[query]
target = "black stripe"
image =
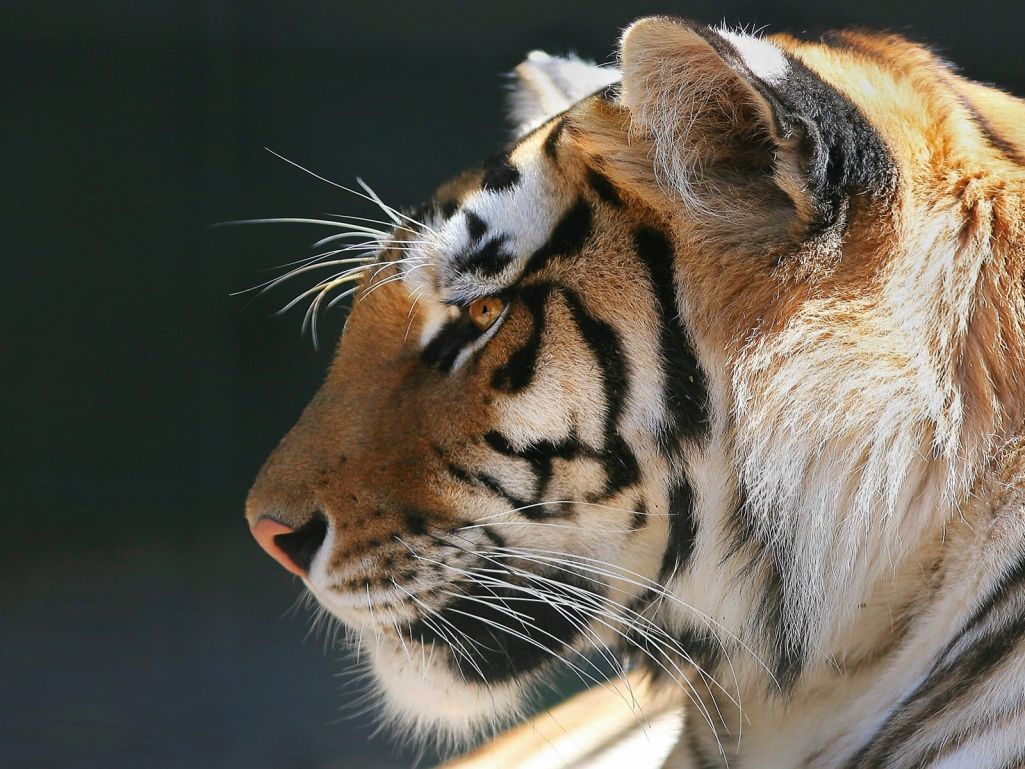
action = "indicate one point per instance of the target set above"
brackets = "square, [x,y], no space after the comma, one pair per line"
[487,259]
[605,189]
[953,682]
[621,466]
[495,487]
[540,455]
[518,372]
[683,530]
[416,521]
[767,566]
[499,174]
[685,388]
[496,539]
[475,227]
[1009,149]
[703,648]
[448,208]
[480,617]
[640,516]
[478,480]
[551,145]
[441,352]
[567,238]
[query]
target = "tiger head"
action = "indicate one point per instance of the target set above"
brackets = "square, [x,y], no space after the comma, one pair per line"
[658,382]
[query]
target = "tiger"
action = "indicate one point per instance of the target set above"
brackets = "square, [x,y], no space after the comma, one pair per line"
[715,373]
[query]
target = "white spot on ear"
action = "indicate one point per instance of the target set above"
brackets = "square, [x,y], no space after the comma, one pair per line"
[765,60]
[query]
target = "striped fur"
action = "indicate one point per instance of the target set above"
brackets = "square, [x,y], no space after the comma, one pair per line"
[752,417]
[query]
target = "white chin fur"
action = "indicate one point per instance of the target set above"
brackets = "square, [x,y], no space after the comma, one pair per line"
[432,700]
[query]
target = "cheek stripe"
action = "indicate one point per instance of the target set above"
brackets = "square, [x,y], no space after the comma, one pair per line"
[518,372]
[685,389]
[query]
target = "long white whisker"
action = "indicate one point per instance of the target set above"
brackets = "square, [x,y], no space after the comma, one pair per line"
[388,209]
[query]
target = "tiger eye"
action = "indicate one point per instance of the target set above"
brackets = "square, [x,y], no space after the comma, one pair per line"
[485,311]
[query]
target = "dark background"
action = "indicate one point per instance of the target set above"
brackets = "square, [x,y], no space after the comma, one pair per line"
[139,624]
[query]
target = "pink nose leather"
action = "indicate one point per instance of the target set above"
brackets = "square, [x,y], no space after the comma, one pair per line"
[265,530]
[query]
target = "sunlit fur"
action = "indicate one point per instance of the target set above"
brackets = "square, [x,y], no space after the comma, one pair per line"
[752,417]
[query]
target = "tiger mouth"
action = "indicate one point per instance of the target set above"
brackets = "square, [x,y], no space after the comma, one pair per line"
[494,627]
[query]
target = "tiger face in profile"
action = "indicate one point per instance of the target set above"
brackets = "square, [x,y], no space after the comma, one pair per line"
[719,369]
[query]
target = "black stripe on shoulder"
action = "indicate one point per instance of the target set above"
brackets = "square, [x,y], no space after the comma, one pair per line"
[954,682]
[685,388]
[567,238]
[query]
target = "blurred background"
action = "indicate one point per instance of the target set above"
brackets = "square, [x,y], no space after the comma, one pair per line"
[140,626]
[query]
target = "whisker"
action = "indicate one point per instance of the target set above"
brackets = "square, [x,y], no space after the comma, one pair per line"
[391,212]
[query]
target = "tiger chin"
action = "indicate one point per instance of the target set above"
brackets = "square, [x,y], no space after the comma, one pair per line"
[717,370]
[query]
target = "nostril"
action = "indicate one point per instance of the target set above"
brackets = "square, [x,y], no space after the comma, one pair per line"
[302,544]
[292,548]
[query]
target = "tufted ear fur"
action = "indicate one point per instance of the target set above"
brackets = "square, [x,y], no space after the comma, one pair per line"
[547,85]
[729,116]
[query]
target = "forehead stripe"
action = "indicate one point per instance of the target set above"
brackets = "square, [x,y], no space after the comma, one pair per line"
[568,237]
[499,174]
[551,145]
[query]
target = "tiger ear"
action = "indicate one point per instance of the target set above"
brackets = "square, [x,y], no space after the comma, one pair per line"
[718,107]
[547,85]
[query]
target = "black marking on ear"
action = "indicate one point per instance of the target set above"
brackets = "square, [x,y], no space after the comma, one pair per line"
[517,372]
[683,531]
[475,227]
[685,388]
[551,145]
[499,174]
[844,153]
[567,238]
[605,189]
[956,680]
[497,646]
[619,460]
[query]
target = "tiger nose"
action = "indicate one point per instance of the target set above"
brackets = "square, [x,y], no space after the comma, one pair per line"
[292,548]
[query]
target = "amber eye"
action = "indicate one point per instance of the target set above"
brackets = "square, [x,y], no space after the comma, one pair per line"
[485,311]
